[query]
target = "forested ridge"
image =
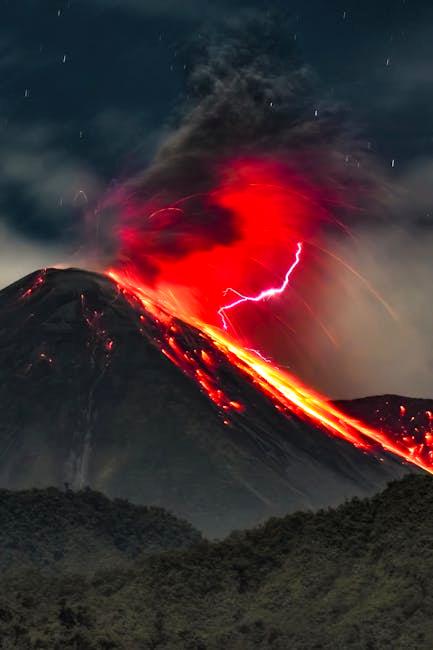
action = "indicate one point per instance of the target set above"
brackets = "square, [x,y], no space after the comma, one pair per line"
[54,530]
[359,576]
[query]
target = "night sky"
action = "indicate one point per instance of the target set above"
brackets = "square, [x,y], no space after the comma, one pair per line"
[89,88]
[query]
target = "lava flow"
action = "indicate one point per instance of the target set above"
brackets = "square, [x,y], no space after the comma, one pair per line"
[287,393]
[177,257]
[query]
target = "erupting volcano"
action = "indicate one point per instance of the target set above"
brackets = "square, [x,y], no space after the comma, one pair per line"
[187,372]
[91,394]
[177,260]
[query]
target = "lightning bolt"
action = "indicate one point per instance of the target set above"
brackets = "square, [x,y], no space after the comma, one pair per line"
[263,295]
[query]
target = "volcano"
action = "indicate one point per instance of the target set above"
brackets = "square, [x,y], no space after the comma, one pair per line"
[89,396]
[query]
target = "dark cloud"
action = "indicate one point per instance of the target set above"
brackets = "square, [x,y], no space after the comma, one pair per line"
[186,10]
[248,94]
[32,162]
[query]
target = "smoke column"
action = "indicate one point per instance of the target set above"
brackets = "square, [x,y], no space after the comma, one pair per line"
[255,165]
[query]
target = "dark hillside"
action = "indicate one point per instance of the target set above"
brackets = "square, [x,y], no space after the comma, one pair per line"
[82,531]
[359,576]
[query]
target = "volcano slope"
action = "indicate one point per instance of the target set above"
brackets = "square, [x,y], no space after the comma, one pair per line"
[88,399]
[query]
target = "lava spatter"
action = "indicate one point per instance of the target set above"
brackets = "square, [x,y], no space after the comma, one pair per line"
[36,284]
[100,336]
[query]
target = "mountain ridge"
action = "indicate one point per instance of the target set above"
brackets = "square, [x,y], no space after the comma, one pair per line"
[88,398]
[82,532]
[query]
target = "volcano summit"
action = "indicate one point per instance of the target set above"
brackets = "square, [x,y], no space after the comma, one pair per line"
[89,395]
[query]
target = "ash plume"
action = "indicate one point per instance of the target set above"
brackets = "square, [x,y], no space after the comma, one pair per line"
[248,94]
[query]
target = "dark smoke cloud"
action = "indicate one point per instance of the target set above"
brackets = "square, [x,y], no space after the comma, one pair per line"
[248,94]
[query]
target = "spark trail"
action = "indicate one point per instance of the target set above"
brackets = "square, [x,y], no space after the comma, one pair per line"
[263,295]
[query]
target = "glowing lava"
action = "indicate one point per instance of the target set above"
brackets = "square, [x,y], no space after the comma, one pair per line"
[287,393]
[263,295]
[177,256]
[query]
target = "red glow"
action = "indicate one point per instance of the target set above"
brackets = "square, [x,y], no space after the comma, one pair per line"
[38,282]
[263,295]
[178,262]
[286,392]
[187,258]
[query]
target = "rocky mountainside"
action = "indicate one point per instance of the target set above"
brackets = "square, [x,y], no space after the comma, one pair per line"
[87,398]
[395,414]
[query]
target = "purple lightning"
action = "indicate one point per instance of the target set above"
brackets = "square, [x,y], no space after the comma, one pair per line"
[266,293]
